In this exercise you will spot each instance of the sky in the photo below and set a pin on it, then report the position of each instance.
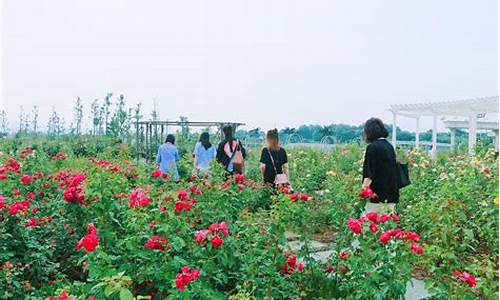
(265, 63)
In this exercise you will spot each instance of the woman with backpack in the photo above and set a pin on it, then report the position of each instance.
(380, 169)
(204, 152)
(274, 161)
(231, 153)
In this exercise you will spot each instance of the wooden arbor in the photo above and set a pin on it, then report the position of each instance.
(150, 134)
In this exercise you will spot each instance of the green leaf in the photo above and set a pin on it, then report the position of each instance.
(126, 294)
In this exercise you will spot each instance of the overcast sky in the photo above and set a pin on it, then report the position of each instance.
(262, 62)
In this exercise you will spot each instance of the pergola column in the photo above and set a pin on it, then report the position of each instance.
(453, 133)
(472, 133)
(434, 136)
(417, 133)
(495, 138)
(394, 126)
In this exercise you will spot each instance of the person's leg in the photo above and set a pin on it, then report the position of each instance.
(379, 207)
(372, 207)
(176, 174)
(173, 172)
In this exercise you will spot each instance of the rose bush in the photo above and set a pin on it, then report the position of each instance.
(79, 218)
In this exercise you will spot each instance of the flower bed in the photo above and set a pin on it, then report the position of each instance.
(76, 222)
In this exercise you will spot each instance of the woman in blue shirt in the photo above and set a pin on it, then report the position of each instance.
(204, 152)
(167, 157)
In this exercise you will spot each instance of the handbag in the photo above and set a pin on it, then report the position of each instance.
(403, 175)
(237, 159)
(281, 178)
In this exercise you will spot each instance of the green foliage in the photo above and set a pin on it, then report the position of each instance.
(452, 203)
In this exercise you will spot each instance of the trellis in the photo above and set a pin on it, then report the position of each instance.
(470, 108)
(150, 134)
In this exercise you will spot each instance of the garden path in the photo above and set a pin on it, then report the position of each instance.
(415, 289)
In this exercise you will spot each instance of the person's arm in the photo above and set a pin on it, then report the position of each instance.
(367, 181)
(285, 165)
(285, 170)
(158, 156)
(195, 170)
(369, 166)
(177, 158)
(262, 165)
(213, 153)
(220, 152)
(195, 157)
(243, 151)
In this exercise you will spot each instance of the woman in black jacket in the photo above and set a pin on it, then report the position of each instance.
(379, 168)
(226, 150)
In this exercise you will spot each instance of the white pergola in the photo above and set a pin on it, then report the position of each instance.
(469, 108)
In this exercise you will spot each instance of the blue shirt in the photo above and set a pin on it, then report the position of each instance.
(203, 156)
(167, 157)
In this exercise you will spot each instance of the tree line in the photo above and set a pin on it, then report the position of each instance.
(113, 117)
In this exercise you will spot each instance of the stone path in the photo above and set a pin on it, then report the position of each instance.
(415, 289)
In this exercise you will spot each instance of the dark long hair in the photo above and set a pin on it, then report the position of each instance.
(228, 133)
(374, 129)
(205, 140)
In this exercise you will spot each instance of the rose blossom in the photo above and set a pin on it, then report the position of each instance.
(90, 241)
(354, 225)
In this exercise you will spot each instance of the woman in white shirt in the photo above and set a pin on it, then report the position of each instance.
(204, 152)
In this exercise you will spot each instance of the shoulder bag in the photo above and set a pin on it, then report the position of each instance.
(280, 179)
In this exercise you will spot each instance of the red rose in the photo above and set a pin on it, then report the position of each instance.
(366, 193)
(185, 277)
(329, 268)
(304, 197)
(373, 227)
(182, 194)
(354, 225)
(138, 198)
(343, 255)
(395, 217)
(216, 241)
(294, 196)
(372, 216)
(300, 266)
(32, 222)
(383, 218)
(73, 194)
(412, 236)
(471, 280)
(26, 179)
(201, 235)
(239, 178)
(415, 248)
(63, 296)
(396, 233)
(156, 243)
(90, 241)
(156, 173)
(385, 237)
(178, 206)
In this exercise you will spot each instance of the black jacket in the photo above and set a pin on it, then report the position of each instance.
(380, 165)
